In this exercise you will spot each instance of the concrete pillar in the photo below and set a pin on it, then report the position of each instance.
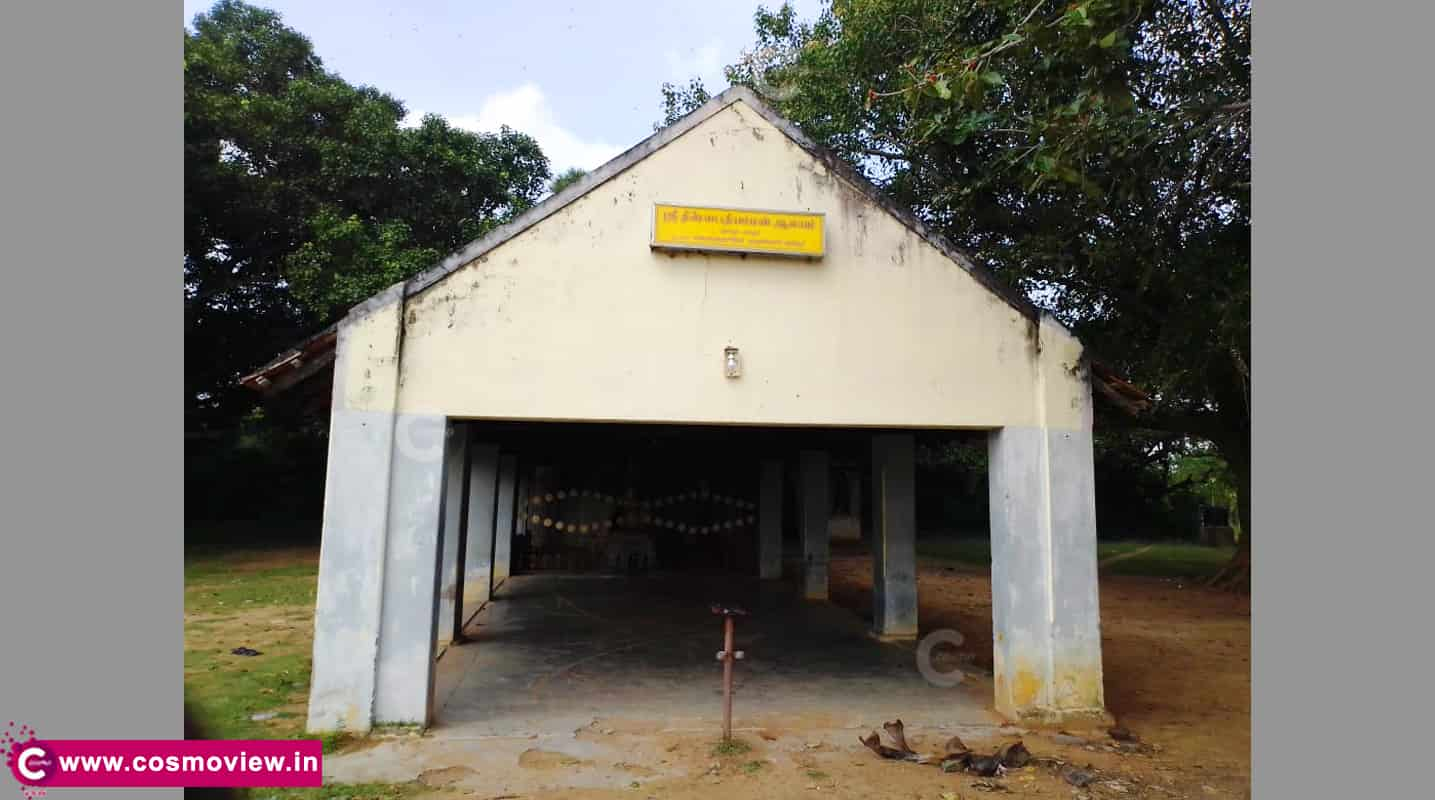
(504, 521)
(769, 521)
(854, 492)
(894, 537)
(482, 502)
(815, 511)
(520, 514)
(1045, 614)
(408, 626)
(455, 507)
(356, 512)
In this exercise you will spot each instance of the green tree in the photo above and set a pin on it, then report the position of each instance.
(566, 178)
(303, 194)
(1095, 154)
(679, 100)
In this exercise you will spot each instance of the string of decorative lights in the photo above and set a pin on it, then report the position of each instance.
(660, 512)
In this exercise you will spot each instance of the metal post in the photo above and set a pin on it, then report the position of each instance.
(727, 655)
(727, 678)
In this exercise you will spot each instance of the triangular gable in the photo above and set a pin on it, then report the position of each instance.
(657, 141)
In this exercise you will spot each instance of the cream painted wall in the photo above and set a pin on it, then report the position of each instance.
(368, 348)
(577, 318)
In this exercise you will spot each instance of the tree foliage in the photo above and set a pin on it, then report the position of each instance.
(566, 178)
(304, 194)
(679, 100)
(1095, 154)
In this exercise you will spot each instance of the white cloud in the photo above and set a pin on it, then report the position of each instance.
(527, 110)
(704, 61)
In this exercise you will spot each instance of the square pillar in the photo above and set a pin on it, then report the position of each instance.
(356, 512)
(455, 522)
(894, 537)
(520, 518)
(1045, 613)
(854, 493)
(504, 521)
(815, 512)
(408, 623)
(482, 505)
(769, 521)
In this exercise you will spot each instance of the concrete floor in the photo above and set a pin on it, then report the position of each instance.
(604, 671)
(549, 653)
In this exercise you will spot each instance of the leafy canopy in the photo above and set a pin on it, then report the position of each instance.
(304, 194)
(1095, 154)
(567, 178)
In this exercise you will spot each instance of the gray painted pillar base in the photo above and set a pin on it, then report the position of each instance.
(452, 570)
(482, 495)
(1046, 620)
(351, 557)
(769, 521)
(503, 532)
(894, 537)
(815, 510)
(404, 674)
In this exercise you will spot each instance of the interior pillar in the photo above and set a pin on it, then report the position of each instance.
(894, 537)
(854, 494)
(504, 520)
(482, 502)
(815, 512)
(769, 521)
(455, 501)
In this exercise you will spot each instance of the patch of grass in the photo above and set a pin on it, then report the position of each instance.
(397, 729)
(238, 591)
(1165, 560)
(334, 741)
(977, 551)
(817, 775)
(1162, 560)
(262, 598)
(224, 692)
(342, 791)
(753, 767)
(253, 598)
(729, 748)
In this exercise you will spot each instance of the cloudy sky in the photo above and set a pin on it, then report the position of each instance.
(580, 77)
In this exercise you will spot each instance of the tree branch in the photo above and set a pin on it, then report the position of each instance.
(887, 154)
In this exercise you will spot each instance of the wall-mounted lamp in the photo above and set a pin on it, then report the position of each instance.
(731, 363)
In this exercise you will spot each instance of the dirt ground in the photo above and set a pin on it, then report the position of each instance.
(1176, 659)
(1177, 674)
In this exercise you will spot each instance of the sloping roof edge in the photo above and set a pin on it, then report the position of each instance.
(305, 358)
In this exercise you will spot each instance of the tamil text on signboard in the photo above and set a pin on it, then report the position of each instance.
(735, 230)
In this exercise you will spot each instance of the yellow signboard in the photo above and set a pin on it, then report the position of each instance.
(739, 230)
